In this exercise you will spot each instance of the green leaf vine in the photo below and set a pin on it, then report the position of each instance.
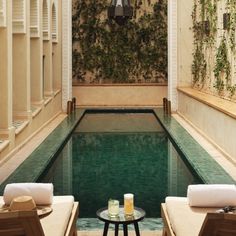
(222, 69)
(204, 32)
(231, 7)
(208, 14)
(104, 52)
(199, 65)
(199, 62)
(204, 16)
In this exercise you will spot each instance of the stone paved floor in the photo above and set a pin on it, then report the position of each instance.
(150, 224)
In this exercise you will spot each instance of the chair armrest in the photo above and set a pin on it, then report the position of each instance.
(71, 228)
(167, 230)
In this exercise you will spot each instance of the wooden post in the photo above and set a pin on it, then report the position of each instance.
(73, 104)
(69, 107)
(169, 107)
(165, 107)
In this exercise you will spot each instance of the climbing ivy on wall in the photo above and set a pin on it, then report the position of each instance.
(204, 31)
(231, 8)
(104, 52)
(208, 14)
(222, 67)
(214, 53)
(199, 62)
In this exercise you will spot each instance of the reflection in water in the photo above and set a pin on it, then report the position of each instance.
(179, 175)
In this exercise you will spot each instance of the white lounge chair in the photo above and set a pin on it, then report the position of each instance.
(182, 220)
(60, 222)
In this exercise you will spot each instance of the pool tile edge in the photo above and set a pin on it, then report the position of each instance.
(32, 168)
(199, 160)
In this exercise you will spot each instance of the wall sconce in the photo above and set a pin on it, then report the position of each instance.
(120, 11)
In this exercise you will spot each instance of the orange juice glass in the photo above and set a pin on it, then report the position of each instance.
(129, 204)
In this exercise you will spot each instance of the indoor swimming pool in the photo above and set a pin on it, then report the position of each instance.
(99, 154)
(115, 153)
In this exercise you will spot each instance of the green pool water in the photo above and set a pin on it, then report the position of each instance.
(109, 155)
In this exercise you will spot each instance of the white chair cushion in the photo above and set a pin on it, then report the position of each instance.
(185, 220)
(200, 195)
(56, 222)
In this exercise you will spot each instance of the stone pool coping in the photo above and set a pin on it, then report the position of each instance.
(194, 155)
(34, 166)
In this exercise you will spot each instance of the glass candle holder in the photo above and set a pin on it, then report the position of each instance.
(113, 208)
(129, 204)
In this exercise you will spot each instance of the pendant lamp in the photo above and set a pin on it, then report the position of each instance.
(120, 11)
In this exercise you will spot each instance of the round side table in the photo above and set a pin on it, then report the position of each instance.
(138, 215)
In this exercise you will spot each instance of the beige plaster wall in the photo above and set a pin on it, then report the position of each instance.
(36, 70)
(185, 42)
(21, 74)
(47, 52)
(24, 110)
(123, 95)
(5, 78)
(36, 64)
(215, 125)
(56, 66)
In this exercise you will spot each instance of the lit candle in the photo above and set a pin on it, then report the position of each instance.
(129, 204)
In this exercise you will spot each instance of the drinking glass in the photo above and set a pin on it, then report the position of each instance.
(113, 208)
(129, 204)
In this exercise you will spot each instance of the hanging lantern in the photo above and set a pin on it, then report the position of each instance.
(120, 11)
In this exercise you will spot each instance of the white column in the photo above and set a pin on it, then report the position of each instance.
(172, 54)
(66, 52)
